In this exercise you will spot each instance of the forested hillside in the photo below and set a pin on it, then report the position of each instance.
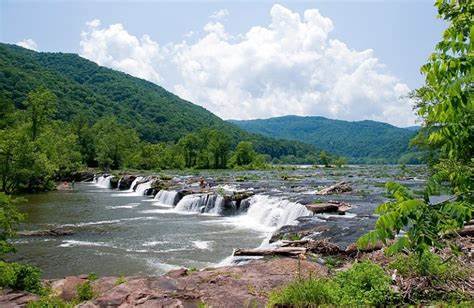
(90, 91)
(362, 141)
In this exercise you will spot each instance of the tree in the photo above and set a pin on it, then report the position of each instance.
(324, 158)
(114, 143)
(9, 219)
(445, 103)
(40, 105)
(190, 146)
(244, 154)
(218, 148)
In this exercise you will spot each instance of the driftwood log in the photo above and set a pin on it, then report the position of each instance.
(337, 188)
(279, 251)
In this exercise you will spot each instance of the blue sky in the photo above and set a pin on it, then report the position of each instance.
(149, 44)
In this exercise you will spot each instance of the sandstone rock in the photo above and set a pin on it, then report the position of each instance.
(15, 299)
(66, 288)
(329, 207)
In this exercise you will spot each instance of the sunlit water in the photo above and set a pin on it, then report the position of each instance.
(120, 233)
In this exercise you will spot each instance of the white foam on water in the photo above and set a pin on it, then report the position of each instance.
(103, 181)
(165, 198)
(202, 244)
(126, 206)
(72, 243)
(154, 243)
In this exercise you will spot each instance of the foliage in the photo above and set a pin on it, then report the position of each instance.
(20, 277)
(424, 225)
(360, 142)
(87, 93)
(120, 280)
(364, 284)
(445, 103)
(85, 291)
(9, 219)
(429, 265)
(49, 302)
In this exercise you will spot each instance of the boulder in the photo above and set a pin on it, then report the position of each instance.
(126, 181)
(114, 181)
(14, 299)
(337, 188)
(329, 207)
(66, 288)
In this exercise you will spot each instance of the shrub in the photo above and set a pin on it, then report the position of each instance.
(49, 302)
(364, 284)
(92, 276)
(20, 277)
(85, 292)
(305, 293)
(120, 280)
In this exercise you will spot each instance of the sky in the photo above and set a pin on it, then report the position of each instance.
(349, 60)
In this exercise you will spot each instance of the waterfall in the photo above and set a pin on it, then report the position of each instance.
(166, 197)
(138, 179)
(142, 187)
(201, 203)
(273, 212)
(103, 181)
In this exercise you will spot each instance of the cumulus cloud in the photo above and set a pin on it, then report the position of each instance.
(114, 47)
(220, 14)
(28, 43)
(290, 66)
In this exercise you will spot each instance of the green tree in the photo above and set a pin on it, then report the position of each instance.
(244, 154)
(218, 148)
(114, 143)
(190, 147)
(9, 220)
(41, 106)
(324, 158)
(445, 103)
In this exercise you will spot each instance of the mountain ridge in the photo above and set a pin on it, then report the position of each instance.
(360, 141)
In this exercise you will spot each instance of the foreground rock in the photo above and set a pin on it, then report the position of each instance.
(232, 286)
(15, 299)
(337, 188)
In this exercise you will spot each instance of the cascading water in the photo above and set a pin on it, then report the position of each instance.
(272, 212)
(166, 197)
(138, 179)
(201, 203)
(103, 181)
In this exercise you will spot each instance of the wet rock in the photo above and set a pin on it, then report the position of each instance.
(49, 232)
(337, 188)
(126, 181)
(15, 299)
(329, 207)
(114, 181)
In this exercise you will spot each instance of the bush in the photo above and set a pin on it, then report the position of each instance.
(364, 284)
(20, 277)
(49, 302)
(85, 292)
(305, 293)
(429, 265)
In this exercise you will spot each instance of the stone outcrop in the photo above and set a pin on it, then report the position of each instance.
(329, 207)
(337, 188)
(15, 299)
(126, 181)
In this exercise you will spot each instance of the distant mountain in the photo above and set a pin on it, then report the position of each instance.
(84, 87)
(361, 141)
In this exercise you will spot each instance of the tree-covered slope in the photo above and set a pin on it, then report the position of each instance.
(362, 141)
(83, 87)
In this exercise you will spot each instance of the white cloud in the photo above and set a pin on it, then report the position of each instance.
(220, 14)
(291, 66)
(29, 44)
(114, 47)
